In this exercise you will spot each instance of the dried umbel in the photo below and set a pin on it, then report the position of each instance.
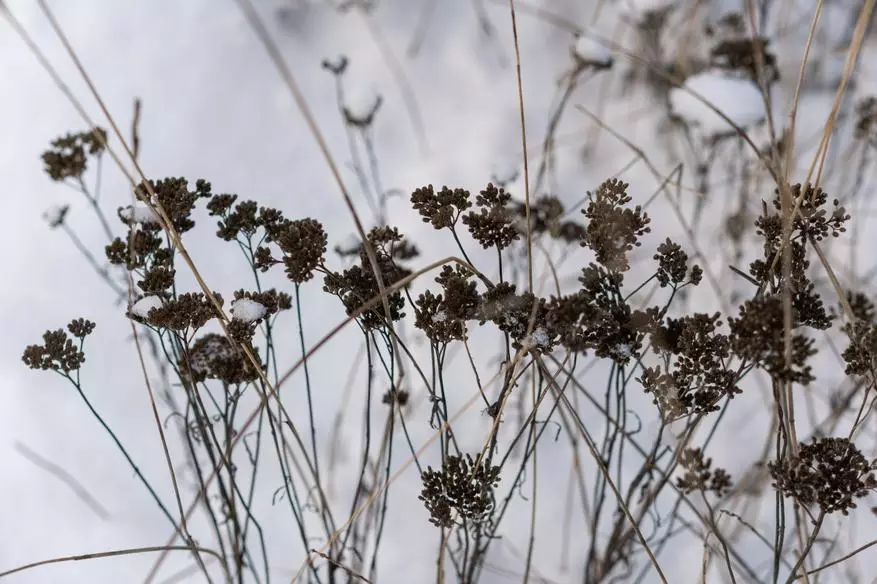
(696, 373)
(747, 55)
(184, 314)
(546, 217)
(68, 157)
(758, 336)
(357, 285)
(441, 209)
(462, 486)
(493, 224)
(673, 266)
(866, 120)
(699, 474)
(443, 317)
(174, 197)
(828, 472)
(213, 357)
(59, 352)
(613, 229)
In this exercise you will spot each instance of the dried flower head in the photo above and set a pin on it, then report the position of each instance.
(866, 120)
(357, 285)
(828, 472)
(68, 157)
(303, 243)
(699, 474)
(613, 230)
(493, 224)
(747, 55)
(758, 337)
(58, 351)
(673, 265)
(696, 373)
(184, 314)
(462, 486)
(213, 357)
(441, 209)
(174, 197)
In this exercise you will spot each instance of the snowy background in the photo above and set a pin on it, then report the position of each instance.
(215, 107)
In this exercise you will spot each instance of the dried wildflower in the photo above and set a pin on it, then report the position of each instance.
(263, 260)
(184, 314)
(758, 336)
(358, 285)
(462, 486)
(173, 196)
(828, 472)
(613, 230)
(860, 354)
(699, 474)
(433, 320)
(696, 374)
(813, 222)
(213, 357)
(866, 120)
(443, 317)
(393, 396)
(303, 243)
(514, 314)
(336, 67)
(80, 328)
(68, 157)
(862, 306)
(157, 279)
(492, 225)
(673, 265)
(441, 209)
(144, 245)
(545, 214)
(219, 204)
(271, 300)
(58, 351)
(748, 55)
(244, 220)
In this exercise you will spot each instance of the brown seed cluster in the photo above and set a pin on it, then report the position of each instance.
(213, 357)
(699, 474)
(829, 472)
(696, 373)
(747, 55)
(613, 228)
(357, 285)
(68, 157)
(462, 487)
(59, 352)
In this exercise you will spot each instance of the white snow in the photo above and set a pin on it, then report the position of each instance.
(739, 99)
(361, 100)
(142, 307)
(540, 337)
(590, 52)
(139, 213)
(440, 316)
(247, 310)
(54, 215)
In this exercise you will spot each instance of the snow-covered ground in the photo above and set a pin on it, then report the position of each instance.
(215, 107)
